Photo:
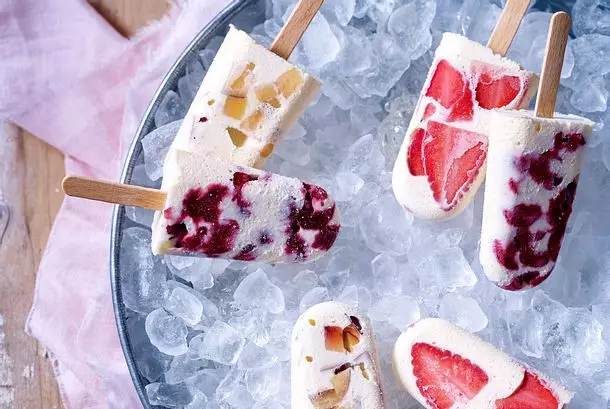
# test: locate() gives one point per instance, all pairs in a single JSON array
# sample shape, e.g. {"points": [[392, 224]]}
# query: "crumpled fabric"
{"points": [[69, 78]]}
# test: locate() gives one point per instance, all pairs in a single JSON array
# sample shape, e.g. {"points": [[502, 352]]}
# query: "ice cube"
{"points": [[258, 292], [296, 152], [238, 398], [591, 16], [222, 344], [446, 269], [252, 325], [169, 110], [340, 10], [385, 226], [279, 341], [166, 332], [150, 362], [254, 357], [319, 45], [155, 146], [312, 297], [172, 396], [364, 158], [464, 312], [400, 311], [385, 272], [184, 367], [264, 382], [183, 304], [143, 284], [347, 186]]}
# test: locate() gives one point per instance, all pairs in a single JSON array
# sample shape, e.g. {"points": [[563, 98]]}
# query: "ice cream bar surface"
{"points": [[441, 162], [334, 360], [532, 175]]}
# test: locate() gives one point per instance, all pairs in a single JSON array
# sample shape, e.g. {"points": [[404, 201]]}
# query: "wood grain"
{"points": [[507, 26], [556, 43], [35, 194], [115, 193], [295, 27]]}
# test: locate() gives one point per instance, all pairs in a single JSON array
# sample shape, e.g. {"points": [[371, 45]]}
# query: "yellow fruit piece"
{"points": [[309, 358], [268, 94], [252, 122], [211, 102], [312, 322], [237, 137], [289, 82], [265, 152], [235, 107], [341, 382], [239, 86]]}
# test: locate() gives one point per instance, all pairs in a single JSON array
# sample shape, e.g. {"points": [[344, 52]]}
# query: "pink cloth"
{"points": [[72, 80]]}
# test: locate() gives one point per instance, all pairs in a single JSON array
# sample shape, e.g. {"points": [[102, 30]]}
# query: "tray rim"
{"points": [[146, 125]]}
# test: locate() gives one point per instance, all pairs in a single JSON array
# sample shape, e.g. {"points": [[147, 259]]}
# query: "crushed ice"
{"points": [[219, 332]]}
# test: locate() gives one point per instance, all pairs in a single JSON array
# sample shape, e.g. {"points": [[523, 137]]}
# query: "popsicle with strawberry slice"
{"points": [[445, 367], [334, 360], [441, 163]]}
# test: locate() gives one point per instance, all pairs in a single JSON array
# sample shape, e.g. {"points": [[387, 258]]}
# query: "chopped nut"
{"points": [[333, 339], [365, 374], [327, 399], [289, 82], [239, 87], [309, 358], [235, 107], [237, 137], [341, 382], [351, 338], [311, 322], [252, 122], [211, 101]]}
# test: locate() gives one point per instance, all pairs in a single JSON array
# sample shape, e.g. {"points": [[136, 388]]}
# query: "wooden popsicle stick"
{"points": [[507, 26], [115, 193], [295, 27], [556, 42]]}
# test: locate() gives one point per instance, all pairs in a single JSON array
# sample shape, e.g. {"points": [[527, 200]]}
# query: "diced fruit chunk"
{"points": [[333, 338], [444, 378], [463, 109], [268, 94], [252, 122], [447, 84], [351, 338], [266, 151], [239, 86], [237, 137], [235, 107], [453, 157], [289, 82], [341, 382], [328, 399], [415, 159], [531, 394], [496, 91]]}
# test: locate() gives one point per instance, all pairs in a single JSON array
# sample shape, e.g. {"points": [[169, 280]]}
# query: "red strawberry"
{"points": [[429, 111], [447, 84], [495, 91], [452, 159], [463, 109], [531, 394], [414, 155], [444, 378]]}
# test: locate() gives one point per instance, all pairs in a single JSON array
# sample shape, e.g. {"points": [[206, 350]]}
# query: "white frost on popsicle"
{"points": [[334, 360]]}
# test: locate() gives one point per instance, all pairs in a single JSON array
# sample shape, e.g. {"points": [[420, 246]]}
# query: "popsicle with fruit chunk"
{"points": [[443, 367], [250, 96], [532, 174], [213, 208], [334, 360], [441, 162]]}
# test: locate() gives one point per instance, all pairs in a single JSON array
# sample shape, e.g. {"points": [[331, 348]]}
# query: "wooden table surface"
{"points": [[29, 383]]}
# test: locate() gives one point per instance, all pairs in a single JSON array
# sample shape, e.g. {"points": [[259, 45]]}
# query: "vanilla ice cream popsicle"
{"points": [[532, 176], [441, 162], [334, 360], [445, 367], [248, 100], [214, 208]]}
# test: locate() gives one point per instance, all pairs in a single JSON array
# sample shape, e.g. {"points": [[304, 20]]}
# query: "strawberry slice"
{"points": [[531, 394], [453, 157], [447, 84], [495, 90], [463, 109], [444, 378], [429, 111], [415, 161]]}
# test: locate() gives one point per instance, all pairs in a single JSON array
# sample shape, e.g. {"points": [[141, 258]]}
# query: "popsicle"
{"points": [[443, 367], [532, 175], [213, 208], [441, 162], [334, 360], [250, 97]]}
